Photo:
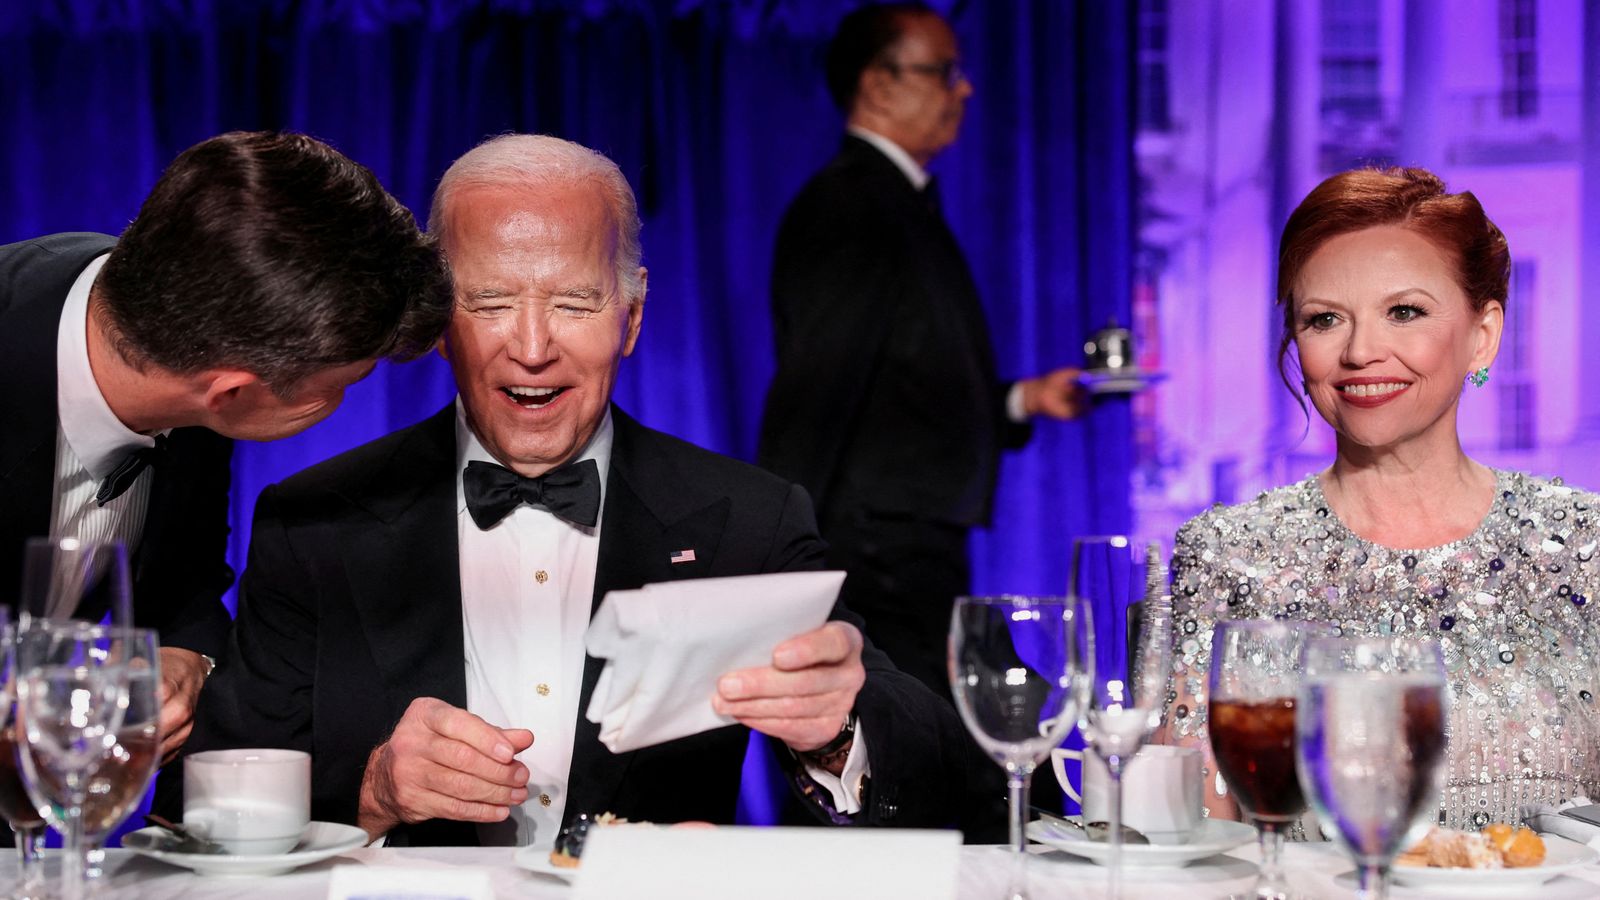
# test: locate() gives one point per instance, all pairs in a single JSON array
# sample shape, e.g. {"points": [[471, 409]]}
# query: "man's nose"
{"points": [[533, 343]]}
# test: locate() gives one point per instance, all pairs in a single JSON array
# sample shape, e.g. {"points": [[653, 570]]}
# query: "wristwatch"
{"points": [[831, 756]]}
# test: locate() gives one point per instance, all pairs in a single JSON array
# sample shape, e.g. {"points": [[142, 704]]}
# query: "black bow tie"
{"points": [[571, 492], [127, 472]]}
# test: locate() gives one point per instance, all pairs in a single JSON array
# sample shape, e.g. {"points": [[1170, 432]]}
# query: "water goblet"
{"points": [[118, 782], [1017, 673], [1255, 673], [1371, 745], [72, 698], [1129, 694]]}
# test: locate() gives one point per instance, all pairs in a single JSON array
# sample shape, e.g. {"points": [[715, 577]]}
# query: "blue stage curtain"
{"points": [[716, 112]]}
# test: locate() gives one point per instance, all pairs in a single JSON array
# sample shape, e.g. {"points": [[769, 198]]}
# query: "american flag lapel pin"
{"points": [[683, 556]]}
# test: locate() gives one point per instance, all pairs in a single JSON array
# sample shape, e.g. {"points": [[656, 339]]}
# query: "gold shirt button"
{"points": [[543, 689], [544, 799], [541, 576]]}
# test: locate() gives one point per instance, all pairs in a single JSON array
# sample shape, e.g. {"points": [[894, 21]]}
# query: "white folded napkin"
{"points": [[1547, 819], [665, 645]]}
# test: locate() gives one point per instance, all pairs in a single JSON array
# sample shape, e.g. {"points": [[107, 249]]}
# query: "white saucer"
{"points": [[321, 841], [1560, 855], [536, 859], [1127, 380], [1213, 836]]}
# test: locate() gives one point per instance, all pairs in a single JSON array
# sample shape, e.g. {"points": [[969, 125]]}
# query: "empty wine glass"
{"points": [[1371, 745], [1128, 695], [67, 577], [1017, 673], [1255, 673], [72, 697]]}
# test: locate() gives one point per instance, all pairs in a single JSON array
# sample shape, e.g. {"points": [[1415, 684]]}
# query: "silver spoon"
{"points": [[183, 840], [1099, 832]]}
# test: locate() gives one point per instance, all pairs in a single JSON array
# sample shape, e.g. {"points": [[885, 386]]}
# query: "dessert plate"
{"points": [[1213, 836], [322, 840], [1560, 855]]}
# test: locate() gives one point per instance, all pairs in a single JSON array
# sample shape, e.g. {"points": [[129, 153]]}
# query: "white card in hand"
{"points": [[665, 646]]}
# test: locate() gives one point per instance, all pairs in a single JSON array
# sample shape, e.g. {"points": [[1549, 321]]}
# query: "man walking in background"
{"points": [[886, 405]]}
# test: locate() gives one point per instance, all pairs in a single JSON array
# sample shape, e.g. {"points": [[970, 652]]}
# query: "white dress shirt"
{"points": [[527, 585], [1016, 411], [90, 440]]}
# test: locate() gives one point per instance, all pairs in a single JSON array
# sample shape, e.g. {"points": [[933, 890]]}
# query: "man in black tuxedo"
{"points": [[886, 405], [413, 611], [263, 275]]}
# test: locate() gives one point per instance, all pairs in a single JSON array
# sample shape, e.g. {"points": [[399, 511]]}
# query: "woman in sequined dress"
{"points": [[1393, 294]]}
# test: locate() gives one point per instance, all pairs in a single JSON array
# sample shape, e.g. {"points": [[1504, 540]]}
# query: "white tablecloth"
{"points": [[1316, 870]]}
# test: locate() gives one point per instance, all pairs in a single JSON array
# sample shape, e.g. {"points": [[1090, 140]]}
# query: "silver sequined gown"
{"points": [[1511, 605]]}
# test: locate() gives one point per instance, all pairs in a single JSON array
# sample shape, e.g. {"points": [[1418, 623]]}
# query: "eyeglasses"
{"points": [[949, 71]]}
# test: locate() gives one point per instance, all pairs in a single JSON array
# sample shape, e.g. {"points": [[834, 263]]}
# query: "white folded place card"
{"points": [[770, 863], [397, 883], [665, 645]]}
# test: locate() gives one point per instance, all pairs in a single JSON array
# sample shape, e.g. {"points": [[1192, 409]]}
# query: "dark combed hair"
{"points": [[860, 41], [1411, 198], [275, 254]]}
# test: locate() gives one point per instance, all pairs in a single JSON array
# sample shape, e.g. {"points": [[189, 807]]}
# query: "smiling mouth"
{"points": [[1373, 390], [533, 397]]}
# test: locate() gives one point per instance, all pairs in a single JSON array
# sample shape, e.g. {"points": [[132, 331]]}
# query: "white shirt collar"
{"points": [[469, 449], [917, 175], [93, 431]]}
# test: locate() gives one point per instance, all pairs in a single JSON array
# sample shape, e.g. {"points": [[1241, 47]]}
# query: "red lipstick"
{"points": [[1369, 401]]}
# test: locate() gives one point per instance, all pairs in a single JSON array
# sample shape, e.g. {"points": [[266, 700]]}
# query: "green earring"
{"points": [[1480, 377]]}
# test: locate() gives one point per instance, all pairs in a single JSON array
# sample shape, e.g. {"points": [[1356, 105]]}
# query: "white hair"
{"points": [[539, 159]]}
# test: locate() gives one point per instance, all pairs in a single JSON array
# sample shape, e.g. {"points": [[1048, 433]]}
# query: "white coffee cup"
{"points": [[252, 802], [1161, 788]]}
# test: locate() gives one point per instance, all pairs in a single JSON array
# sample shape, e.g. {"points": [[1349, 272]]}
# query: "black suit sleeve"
{"points": [[181, 568], [924, 769], [261, 692]]}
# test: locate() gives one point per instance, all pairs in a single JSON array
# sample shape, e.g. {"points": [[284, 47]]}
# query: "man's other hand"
{"points": [[442, 762], [806, 695], [1054, 394], [183, 673]]}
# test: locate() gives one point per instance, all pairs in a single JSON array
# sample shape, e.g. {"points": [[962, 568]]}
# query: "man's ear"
{"points": [[636, 313], [872, 91], [222, 389]]}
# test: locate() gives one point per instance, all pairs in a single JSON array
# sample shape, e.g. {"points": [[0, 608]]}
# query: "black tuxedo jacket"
{"points": [[179, 568], [886, 398], [350, 608]]}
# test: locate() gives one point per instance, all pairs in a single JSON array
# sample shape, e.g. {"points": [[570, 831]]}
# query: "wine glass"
{"points": [[119, 781], [1255, 673], [26, 824], [1017, 673], [67, 577], [72, 699], [1129, 687], [1372, 745]]}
